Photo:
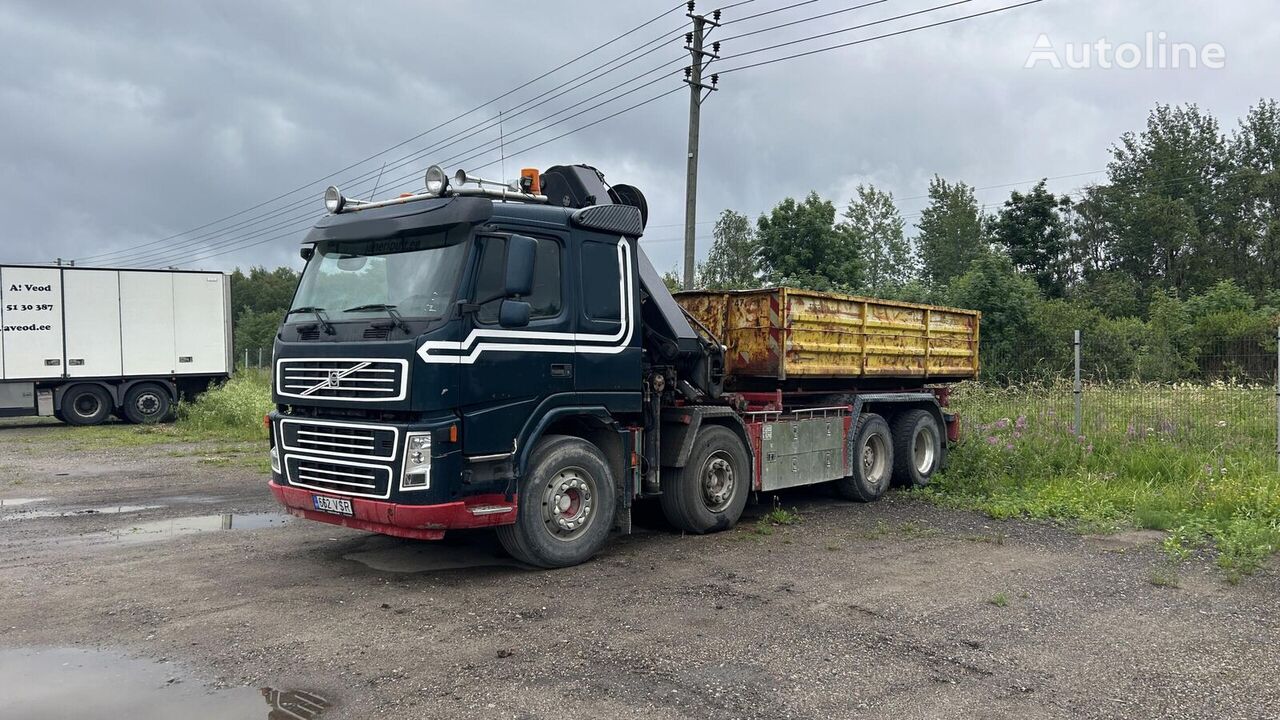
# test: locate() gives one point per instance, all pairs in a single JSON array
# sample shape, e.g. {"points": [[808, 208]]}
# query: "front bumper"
{"points": [[420, 522]]}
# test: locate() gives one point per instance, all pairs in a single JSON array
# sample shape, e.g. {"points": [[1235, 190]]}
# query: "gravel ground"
{"points": [[891, 610]]}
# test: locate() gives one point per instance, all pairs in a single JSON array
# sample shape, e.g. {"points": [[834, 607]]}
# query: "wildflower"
{"points": [[1017, 435], [1008, 446], [1002, 423], [1080, 439], [993, 440], [1089, 450], [1021, 422]]}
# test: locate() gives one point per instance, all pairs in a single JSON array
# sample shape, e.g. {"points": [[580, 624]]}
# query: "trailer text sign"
{"points": [[31, 322]]}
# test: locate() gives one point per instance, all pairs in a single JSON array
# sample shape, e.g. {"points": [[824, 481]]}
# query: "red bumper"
{"points": [[421, 522]]}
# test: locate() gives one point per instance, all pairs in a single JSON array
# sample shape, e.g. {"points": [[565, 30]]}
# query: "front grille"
{"points": [[348, 440], [338, 476], [349, 379]]}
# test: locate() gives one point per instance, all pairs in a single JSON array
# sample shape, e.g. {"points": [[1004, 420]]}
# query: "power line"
{"points": [[878, 37], [411, 139], [804, 20], [134, 254], [171, 254], [767, 12], [224, 251]]}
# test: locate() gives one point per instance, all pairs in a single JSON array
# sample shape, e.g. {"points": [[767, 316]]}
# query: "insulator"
{"points": [[688, 38], [688, 72], [716, 15], [690, 5], [715, 79], [715, 47]]}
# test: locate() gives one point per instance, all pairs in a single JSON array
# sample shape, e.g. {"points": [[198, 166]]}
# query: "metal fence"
{"points": [[253, 358], [1216, 396]]}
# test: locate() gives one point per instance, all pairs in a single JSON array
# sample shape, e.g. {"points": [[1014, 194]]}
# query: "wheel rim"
{"points": [[875, 465], [924, 450], [148, 404], [87, 405], [718, 481], [568, 503]]}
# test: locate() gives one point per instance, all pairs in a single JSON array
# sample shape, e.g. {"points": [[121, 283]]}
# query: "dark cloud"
{"points": [[125, 123]]}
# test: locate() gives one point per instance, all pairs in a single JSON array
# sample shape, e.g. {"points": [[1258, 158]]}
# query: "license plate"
{"points": [[334, 506]]}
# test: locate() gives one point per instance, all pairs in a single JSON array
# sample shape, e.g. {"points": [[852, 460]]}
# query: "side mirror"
{"points": [[518, 279], [513, 314], [307, 252]]}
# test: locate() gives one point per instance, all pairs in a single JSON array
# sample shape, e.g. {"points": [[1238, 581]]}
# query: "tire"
{"points": [[86, 405], [147, 403], [917, 448], [710, 491], [871, 455], [566, 505]]}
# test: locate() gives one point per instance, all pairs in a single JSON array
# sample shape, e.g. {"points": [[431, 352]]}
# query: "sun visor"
{"points": [[412, 218]]}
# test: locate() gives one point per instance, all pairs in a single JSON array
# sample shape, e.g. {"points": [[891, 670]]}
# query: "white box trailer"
{"points": [[84, 343]]}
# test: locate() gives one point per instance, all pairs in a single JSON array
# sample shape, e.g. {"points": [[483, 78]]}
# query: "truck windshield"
{"points": [[415, 276]]}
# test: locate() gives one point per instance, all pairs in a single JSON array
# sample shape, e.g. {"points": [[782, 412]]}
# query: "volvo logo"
{"points": [[335, 379]]}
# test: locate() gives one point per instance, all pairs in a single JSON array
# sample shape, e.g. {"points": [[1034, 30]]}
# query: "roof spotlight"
{"points": [[437, 181], [333, 200]]}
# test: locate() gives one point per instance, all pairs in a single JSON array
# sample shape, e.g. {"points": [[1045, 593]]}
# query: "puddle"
{"points": [[16, 502], [55, 683], [164, 529], [416, 556], [106, 510]]}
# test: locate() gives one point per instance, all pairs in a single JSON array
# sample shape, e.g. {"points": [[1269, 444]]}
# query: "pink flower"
{"points": [[1021, 422], [993, 440], [1002, 423]]}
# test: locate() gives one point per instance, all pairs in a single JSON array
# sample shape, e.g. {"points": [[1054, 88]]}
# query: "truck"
{"points": [[83, 344], [481, 354]]}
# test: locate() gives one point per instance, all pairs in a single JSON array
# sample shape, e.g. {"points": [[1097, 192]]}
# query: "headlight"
{"points": [[275, 459], [333, 200], [417, 462], [436, 181]]}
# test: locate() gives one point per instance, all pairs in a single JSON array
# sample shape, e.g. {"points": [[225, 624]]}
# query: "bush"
{"points": [[233, 410]]}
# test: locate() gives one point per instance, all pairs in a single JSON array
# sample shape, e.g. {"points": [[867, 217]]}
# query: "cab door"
{"points": [[507, 373], [608, 335]]}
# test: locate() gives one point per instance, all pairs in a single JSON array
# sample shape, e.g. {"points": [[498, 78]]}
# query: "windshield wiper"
{"points": [[319, 313], [396, 317]]}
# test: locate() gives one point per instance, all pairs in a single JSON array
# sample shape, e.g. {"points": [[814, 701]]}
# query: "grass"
{"points": [[1195, 461], [999, 600]]}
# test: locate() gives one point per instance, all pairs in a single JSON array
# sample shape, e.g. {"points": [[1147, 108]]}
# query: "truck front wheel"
{"points": [[710, 491], [85, 405], [566, 505]]}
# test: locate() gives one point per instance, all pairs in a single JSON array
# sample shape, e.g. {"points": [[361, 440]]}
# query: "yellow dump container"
{"points": [[785, 333]]}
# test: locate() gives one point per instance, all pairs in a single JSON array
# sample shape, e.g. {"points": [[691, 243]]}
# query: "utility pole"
{"points": [[693, 77]]}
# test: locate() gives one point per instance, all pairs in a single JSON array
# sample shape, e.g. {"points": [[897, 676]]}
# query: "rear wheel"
{"points": [[917, 448], [710, 491], [147, 403], [85, 405], [871, 456], [566, 505]]}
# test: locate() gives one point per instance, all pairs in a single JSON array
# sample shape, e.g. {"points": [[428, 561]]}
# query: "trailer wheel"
{"points": [[147, 403], [917, 448], [566, 505], [85, 405], [709, 493], [871, 456]]}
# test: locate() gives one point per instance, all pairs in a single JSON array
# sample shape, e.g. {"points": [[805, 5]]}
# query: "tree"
{"points": [[1032, 230], [1165, 201], [1253, 192], [950, 237], [800, 246], [875, 228], [734, 260], [1007, 301], [671, 279]]}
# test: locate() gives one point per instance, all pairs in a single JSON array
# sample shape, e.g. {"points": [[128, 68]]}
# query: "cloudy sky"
{"points": [[130, 130]]}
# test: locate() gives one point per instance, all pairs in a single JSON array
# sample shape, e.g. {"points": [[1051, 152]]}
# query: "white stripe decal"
{"points": [[431, 351]]}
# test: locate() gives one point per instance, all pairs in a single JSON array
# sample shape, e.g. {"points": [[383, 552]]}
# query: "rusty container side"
{"points": [[787, 333]]}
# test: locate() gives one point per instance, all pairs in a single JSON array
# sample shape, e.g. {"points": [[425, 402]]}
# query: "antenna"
{"points": [[502, 147]]}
